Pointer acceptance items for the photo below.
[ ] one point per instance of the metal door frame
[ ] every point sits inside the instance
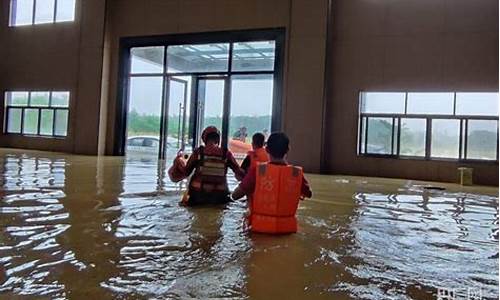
(164, 115)
(126, 43)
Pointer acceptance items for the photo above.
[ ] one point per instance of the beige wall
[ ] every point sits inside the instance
(61, 56)
(304, 20)
(411, 45)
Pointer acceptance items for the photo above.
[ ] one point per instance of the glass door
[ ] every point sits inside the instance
(175, 137)
(145, 98)
(172, 91)
(143, 122)
(250, 111)
(210, 104)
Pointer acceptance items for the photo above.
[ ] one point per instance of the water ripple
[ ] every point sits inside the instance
(108, 227)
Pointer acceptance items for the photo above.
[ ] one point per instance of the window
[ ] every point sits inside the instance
(430, 103)
(481, 139)
(197, 58)
(253, 56)
(379, 139)
(29, 12)
(146, 60)
(173, 91)
(444, 125)
(37, 113)
(383, 102)
(445, 138)
(135, 142)
(251, 107)
(477, 104)
(413, 136)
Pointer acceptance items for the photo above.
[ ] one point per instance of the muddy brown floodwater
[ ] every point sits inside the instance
(83, 227)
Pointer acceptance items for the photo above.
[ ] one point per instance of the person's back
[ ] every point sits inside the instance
(276, 198)
(258, 154)
(208, 185)
(274, 190)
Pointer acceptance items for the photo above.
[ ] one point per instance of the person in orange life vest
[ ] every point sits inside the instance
(258, 154)
(274, 190)
(208, 185)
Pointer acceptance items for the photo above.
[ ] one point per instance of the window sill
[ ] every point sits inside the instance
(422, 159)
(55, 137)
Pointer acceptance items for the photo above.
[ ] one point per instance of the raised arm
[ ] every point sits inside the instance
(245, 165)
(305, 189)
(238, 193)
(246, 186)
(191, 163)
(239, 173)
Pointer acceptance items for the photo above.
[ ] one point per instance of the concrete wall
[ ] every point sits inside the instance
(61, 56)
(305, 23)
(411, 45)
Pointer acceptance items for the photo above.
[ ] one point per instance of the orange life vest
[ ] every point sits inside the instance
(276, 198)
(258, 156)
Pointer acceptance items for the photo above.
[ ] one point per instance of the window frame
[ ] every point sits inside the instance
(363, 120)
(33, 16)
(39, 109)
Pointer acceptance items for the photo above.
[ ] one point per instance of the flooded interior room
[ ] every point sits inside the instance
(249, 149)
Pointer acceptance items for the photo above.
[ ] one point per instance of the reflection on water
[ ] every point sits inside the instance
(87, 227)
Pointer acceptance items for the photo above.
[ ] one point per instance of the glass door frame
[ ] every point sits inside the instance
(196, 132)
(165, 105)
(122, 102)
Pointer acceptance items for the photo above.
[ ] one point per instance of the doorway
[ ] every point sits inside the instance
(172, 87)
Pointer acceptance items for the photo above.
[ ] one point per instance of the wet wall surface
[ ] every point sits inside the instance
(84, 227)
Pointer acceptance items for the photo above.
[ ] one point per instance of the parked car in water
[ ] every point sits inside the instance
(143, 145)
(150, 145)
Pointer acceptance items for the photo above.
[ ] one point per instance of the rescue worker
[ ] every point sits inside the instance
(241, 134)
(258, 154)
(208, 185)
(274, 190)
